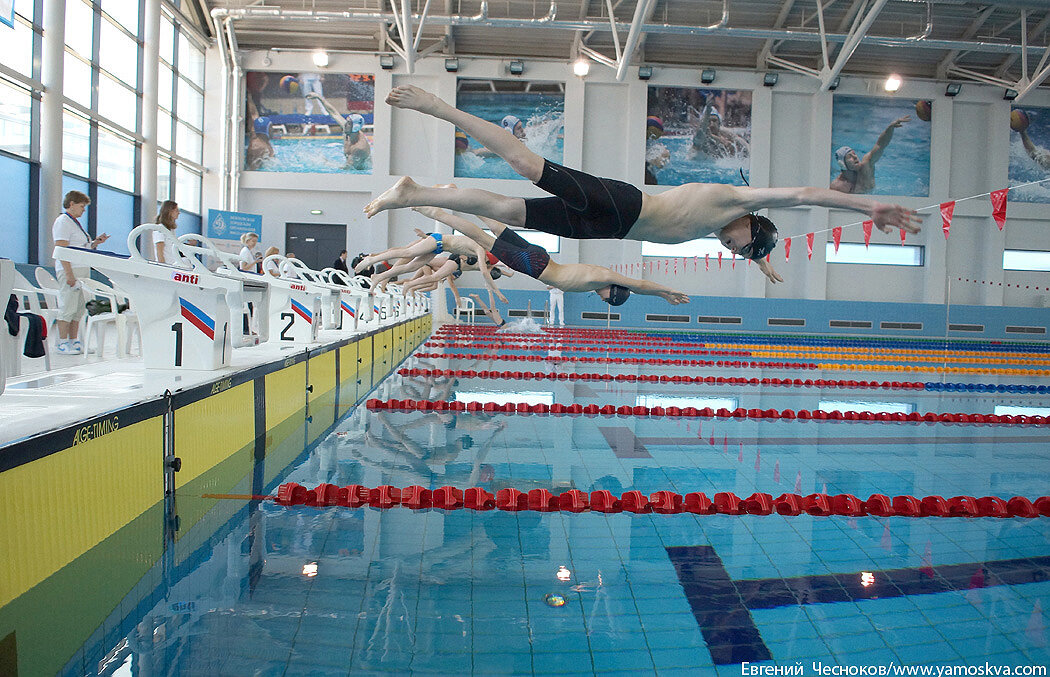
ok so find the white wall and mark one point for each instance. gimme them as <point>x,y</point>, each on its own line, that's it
<point>604,135</point>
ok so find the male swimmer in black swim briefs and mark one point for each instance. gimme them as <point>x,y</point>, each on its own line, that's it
<point>586,206</point>
<point>534,261</point>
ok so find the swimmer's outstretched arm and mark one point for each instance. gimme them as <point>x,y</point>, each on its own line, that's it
<point>884,215</point>
<point>768,271</point>
<point>884,139</point>
<point>339,119</point>
<point>424,245</point>
<point>1040,155</point>
<point>601,276</point>
<point>471,230</point>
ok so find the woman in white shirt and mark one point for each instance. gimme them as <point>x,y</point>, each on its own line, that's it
<point>67,232</point>
<point>251,257</point>
<point>163,248</point>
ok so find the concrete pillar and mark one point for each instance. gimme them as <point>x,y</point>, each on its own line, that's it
<point>150,77</point>
<point>51,75</point>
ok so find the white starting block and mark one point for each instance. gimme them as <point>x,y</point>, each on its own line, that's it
<point>183,316</point>
<point>340,305</point>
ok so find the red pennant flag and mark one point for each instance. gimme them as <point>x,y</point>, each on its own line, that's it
<point>707,262</point>
<point>676,266</point>
<point>733,265</point>
<point>947,209</point>
<point>720,260</point>
<point>867,232</point>
<point>787,249</point>
<point>836,235</point>
<point>999,206</point>
<point>667,266</point>
<point>809,245</point>
<point>695,263</point>
<point>904,235</point>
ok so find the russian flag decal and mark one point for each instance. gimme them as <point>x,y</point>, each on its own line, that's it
<point>301,310</point>
<point>198,318</point>
<point>347,308</point>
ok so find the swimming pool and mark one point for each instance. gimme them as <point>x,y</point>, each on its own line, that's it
<point>319,156</point>
<point>686,166</point>
<point>543,116</point>
<point>279,590</point>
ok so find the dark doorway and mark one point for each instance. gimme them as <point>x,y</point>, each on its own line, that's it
<point>317,244</point>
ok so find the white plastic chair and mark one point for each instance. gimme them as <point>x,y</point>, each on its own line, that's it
<point>29,300</point>
<point>465,305</point>
<point>97,325</point>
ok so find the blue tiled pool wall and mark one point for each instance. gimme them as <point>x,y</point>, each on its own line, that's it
<point>755,313</point>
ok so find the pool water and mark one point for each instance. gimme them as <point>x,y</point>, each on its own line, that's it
<point>904,168</point>
<point>316,155</point>
<point>543,116</point>
<point>326,591</point>
<point>686,166</point>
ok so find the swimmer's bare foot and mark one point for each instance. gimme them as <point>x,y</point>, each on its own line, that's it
<point>366,262</point>
<point>394,197</point>
<point>414,98</point>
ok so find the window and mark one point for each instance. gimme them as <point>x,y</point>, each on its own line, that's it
<point>15,123</point>
<point>188,189</point>
<point>76,145</point>
<point>76,79</point>
<point>80,27</point>
<point>665,401</point>
<point>699,248</point>
<point>876,254</point>
<point>116,160</point>
<point>1023,259</point>
<point>119,210</point>
<point>118,53</point>
<point>498,397</point>
<point>873,407</point>
<point>14,178</point>
<point>190,143</point>
<point>16,49</point>
<point>124,13</point>
<point>117,103</point>
<point>163,177</point>
<point>1008,410</point>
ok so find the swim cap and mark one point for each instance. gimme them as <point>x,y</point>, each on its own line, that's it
<point>763,238</point>
<point>654,127</point>
<point>461,141</point>
<point>471,260</point>
<point>496,273</point>
<point>262,126</point>
<point>840,156</point>
<point>715,114</point>
<point>617,295</point>
<point>509,122</point>
<point>356,122</point>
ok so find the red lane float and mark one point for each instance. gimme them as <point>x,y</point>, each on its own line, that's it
<point>661,502</point>
<point>649,378</point>
<point>707,412</point>
<point>624,360</point>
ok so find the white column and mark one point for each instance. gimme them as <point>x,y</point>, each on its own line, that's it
<point>51,75</point>
<point>150,77</point>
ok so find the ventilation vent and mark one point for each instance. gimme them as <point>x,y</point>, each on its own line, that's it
<point>615,317</point>
<point>1026,330</point>
<point>525,313</point>
<point>785,322</point>
<point>965,327</point>
<point>714,319</point>
<point>666,318</point>
<point>900,325</point>
<point>850,324</point>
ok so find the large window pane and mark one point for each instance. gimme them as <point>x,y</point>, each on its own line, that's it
<point>188,223</point>
<point>15,108</point>
<point>80,25</point>
<point>116,160</point>
<point>188,143</point>
<point>167,40</point>
<point>75,146</point>
<point>125,12</point>
<point>188,189</point>
<point>191,104</point>
<point>1025,259</point>
<point>164,129</point>
<point>117,102</point>
<point>118,54</point>
<point>700,247</point>
<point>16,49</point>
<point>877,254</point>
<point>14,192</point>
<point>24,8</point>
<point>191,60</point>
<point>164,87</point>
<point>76,80</point>
<point>163,177</point>
<point>116,216</point>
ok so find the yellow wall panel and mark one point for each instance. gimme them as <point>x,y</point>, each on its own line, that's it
<point>285,393</point>
<point>365,355</point>
<point>348,375</point>
<point>211,430</point>
<point>322,374</point>
<point>54,509</point>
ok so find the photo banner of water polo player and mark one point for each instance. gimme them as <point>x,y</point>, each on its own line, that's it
<point>1029,153</point>
<point>880,145</point>
<point>532,111</point>
<point>697,135</point>
<point>309,122</point>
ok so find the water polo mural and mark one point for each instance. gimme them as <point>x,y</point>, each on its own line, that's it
<point>309,122</point>
<point>1030,153</point>
<point>701,135</point>
<point>532,111</point>
<point>881,146</point>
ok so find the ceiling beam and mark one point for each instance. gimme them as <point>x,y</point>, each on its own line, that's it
<point>949,60</point>
<point>851,44</point>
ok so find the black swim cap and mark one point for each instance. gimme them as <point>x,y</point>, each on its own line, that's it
<point>763,238</point>
<point>471,260</point>
<point>496,273</point>
<point>617,295</point>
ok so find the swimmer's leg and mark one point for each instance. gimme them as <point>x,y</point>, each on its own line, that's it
<point>420,247</point>
<point>411,266</point>
<point>408,193</point>
<point>492,136</point>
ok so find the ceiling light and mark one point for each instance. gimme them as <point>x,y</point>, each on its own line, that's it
<point>1010,95</point>
<point>953,88</point>
<point>581,67</point>
<point>386,62</point>
<point>645,72</point>
<point>893,83</point>
<point>452,65</point>
<point>707,76</point>
<point>770,79</point>
<point>834,84</point>
<point>516,67</point>
<point>316,212</point>
<point>321,58</point>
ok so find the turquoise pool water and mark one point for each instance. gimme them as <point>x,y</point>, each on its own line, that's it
<point>543,116</point>
<point>319,156</point>
<point>337,591</point>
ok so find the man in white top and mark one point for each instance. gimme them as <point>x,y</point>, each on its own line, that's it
<point>557,303</point>
<point>67,232</point>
